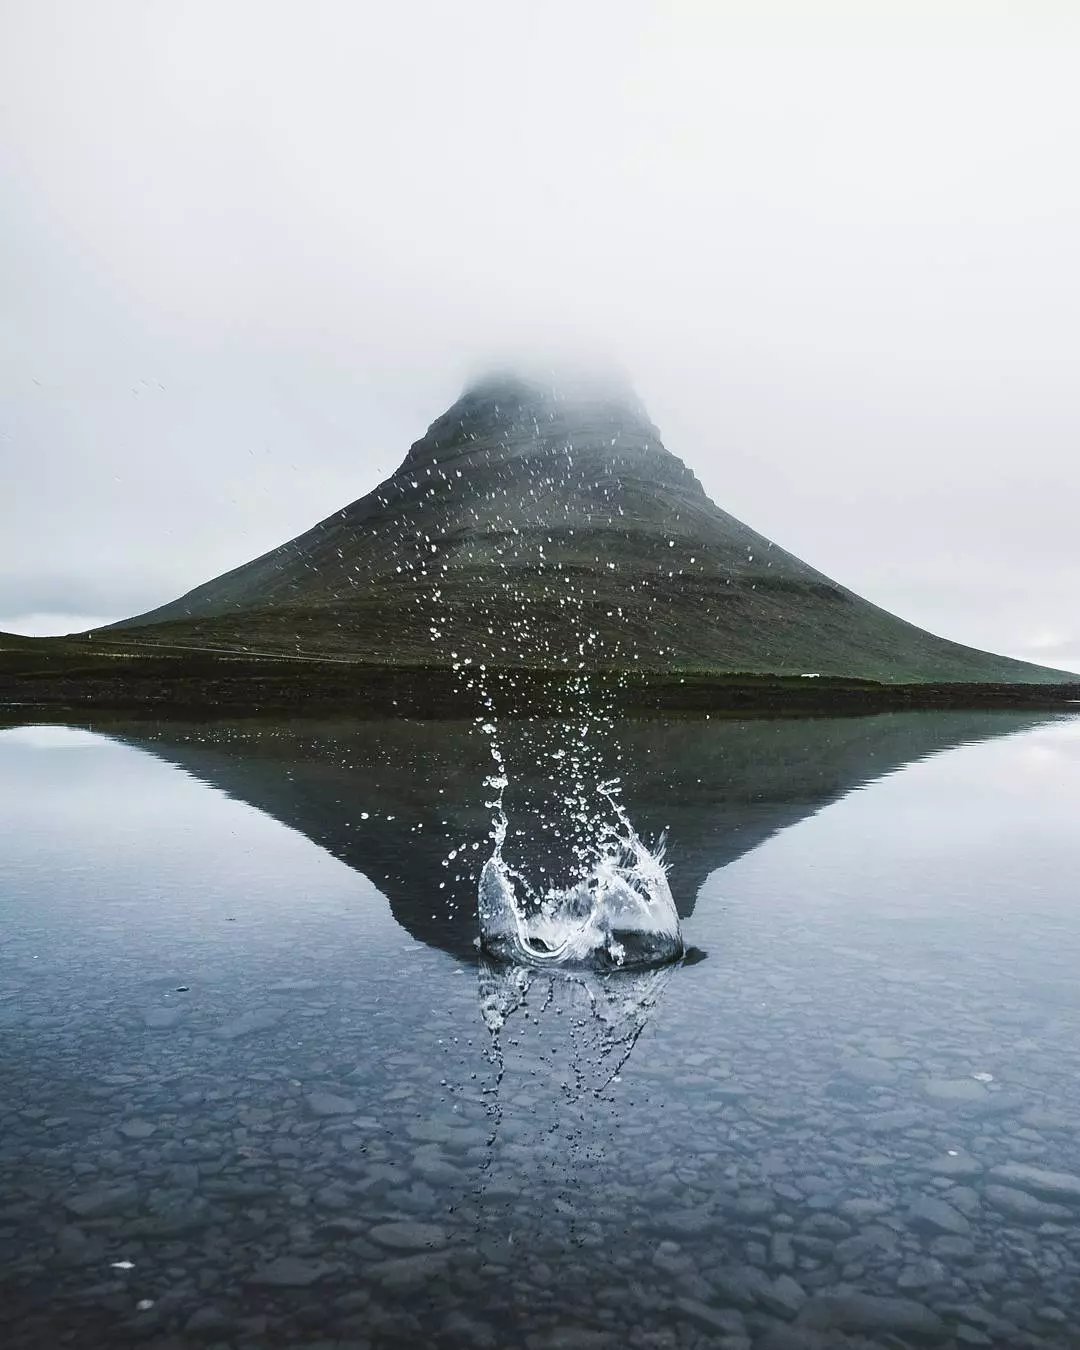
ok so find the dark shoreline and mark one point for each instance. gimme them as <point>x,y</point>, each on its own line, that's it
<point>48,678</point>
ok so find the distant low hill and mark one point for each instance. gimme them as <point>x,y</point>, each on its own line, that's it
<point>531,527</point>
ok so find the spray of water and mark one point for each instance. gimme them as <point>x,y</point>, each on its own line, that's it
<point>617,913</point>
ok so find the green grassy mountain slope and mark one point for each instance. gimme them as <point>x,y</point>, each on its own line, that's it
<point>534,528</point>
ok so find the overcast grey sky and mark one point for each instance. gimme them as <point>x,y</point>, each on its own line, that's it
<point>249,250</point>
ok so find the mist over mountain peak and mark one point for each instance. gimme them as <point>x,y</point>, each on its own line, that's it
<point>574,385</point>
<point>514,414</point>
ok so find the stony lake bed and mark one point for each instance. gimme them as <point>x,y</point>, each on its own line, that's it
<point>257,1086</point>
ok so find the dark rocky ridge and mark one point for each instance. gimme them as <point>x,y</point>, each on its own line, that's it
<point>533,528</point>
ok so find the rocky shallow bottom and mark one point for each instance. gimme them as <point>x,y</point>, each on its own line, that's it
<point>266,1116</point>
<point>308,1166</point>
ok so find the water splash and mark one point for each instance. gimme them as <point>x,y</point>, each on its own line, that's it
<point>617,913</point>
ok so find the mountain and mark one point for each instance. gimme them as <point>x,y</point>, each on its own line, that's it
<point>550,528</point>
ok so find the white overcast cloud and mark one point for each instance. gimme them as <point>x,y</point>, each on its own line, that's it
<point>249,250</point>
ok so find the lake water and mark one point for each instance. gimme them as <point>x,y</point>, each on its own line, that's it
<point>248,1095</point>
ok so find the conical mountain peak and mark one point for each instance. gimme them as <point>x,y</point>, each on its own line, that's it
<point>542,523</point>
<point>505,415</point>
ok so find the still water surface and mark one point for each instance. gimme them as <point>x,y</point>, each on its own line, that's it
<point>250,1092</point>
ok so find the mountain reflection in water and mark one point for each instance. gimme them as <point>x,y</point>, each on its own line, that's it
<point>393,800</point>
<point>404,804</point>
